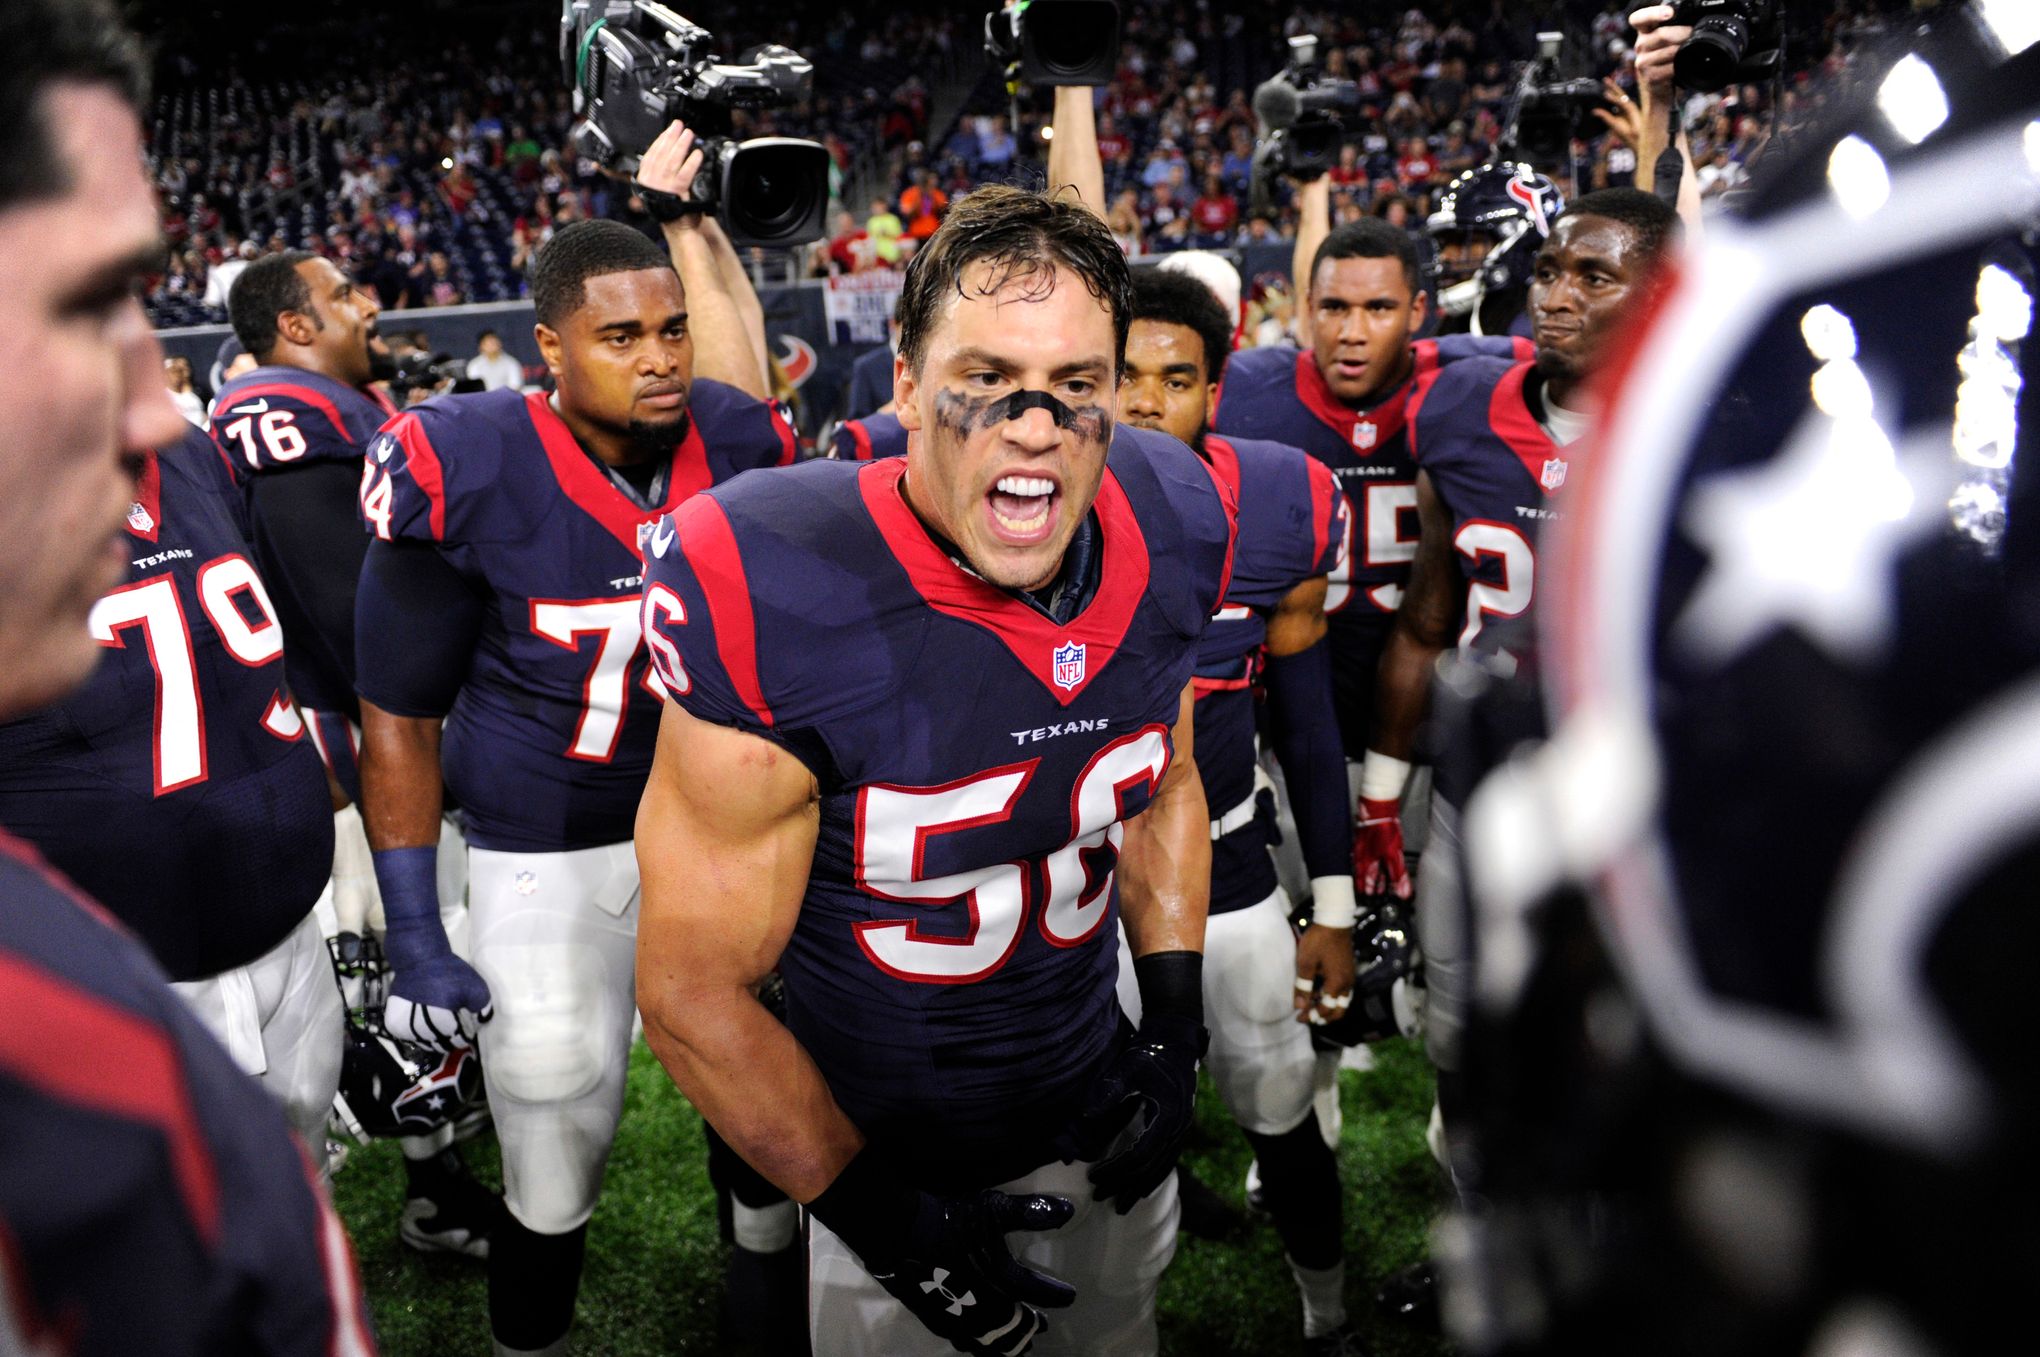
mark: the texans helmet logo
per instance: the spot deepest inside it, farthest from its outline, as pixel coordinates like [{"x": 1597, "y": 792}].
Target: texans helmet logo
[{"x": 1526, "y": 189}]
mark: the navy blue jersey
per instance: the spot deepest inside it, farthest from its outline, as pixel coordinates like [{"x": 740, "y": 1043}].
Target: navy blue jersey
[
  {"x": 1292, "y": 518},
  {"x": 1278, "y": 393},
  {"x": 548, "y": 744},
  {"x": 152, "y": 1197},
  {"x": 285, "y": 419},
  {"x": 874, "y": 436},
  {"x": 1497, "y": 473},
  {"x": 952, "y": 968},
  {"x": 177, "y": 784}
]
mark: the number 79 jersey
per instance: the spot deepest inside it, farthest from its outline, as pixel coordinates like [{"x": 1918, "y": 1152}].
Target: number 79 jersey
[
  {"x": 951, "y": 970},
  {"x": 177, "y": 784},
  {"x": 548, "y": 744}
]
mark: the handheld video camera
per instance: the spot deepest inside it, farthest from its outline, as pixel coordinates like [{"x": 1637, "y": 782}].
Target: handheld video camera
[
  {"x": 1732, "y": 40},
  {"x": 634, "y": 66},
  {"x": 1311, "y": 114},
  {"x": 1055, "y": 42},
  {"x": 1548, "y": 110}
]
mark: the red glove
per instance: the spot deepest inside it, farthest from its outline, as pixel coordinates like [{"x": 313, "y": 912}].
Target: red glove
[{"x": 1378, "y": 867}]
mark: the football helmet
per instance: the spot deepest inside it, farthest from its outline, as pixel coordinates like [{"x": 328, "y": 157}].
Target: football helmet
[
  {"x": 1510, "y": 206},
  {"x": 1751, "y": 932},
  {"x": 1387, "y": 979},
  {"x": 390, "y": 1087}
]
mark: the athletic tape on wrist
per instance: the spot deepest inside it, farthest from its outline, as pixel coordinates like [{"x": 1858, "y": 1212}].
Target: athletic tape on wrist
[
  {"x": 1332, "y": 902},
  {"x": 1383, "y": 778}
]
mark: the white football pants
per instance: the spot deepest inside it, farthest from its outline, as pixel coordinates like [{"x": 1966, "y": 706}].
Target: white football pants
[
  {"x": 280, "y": 1018},
  {"x": 555, "y": 935}
]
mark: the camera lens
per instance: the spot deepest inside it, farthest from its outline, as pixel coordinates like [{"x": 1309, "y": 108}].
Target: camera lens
[
  {"x": 775, "y": 193},
  {"x": 1706, "y": 61}
]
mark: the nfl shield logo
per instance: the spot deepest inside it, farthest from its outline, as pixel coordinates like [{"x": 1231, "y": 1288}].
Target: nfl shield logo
[
  {"x": 138, "y": 518},
  {"x": 1554, "y": 473},
  {"x": 1364, "y": 434},
  {"x": 1069, "y": 665}
]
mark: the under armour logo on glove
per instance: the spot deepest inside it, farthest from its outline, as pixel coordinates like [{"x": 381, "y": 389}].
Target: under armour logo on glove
[{"x": 956, "y": 1302}]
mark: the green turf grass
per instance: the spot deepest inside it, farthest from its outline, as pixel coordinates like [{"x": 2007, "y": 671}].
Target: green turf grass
[{"x": 654, "y": 1274}]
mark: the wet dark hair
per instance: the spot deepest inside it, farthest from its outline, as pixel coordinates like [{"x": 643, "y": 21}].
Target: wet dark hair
[
  {"x": 587, "y": 249},
  {"x": 1369, "y": 238},
  {"x": 267, "y": 288},
  {"x": 1655, "y": 223},
  {"x": 1022, "y": 233},
  {"x": 50, "y": 42},
  {"x": 1179, "y": 299}
]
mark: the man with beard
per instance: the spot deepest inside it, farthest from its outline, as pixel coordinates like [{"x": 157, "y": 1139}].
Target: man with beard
[
  {"x": 1493, "y": 442},
  {"x": 497, "y": 630},
  {"x": 294, "y": 429}
]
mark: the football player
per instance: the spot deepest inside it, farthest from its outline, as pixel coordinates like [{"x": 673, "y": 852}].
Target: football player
[
  {"x": 1343, "y": 400},
  {"x": 294, "y": 429},
  {"x": 1493, "y": 442},
  {"x": 185, "y": 738},
  {"x": 922, "y": 709},
  {"x": 1748, "y": 1069},
  {"x": 1488, "y": 226},
  {"x": 152, "y": 1197},
  {"x": 1259, "y": 977},
  {"x": 501, "y": 663}
]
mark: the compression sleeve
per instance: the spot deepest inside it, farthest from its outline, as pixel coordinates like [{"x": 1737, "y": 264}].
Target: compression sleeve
[
  {"x": 308, "y": 545},
  {"x": 416, "y": 623},
  {"x": 1305, "y": 731}
]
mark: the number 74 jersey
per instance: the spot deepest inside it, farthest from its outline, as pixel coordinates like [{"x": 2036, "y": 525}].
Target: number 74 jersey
[
  {"x": 549, "y": 742},
  {"x": 951, "y": 968}
]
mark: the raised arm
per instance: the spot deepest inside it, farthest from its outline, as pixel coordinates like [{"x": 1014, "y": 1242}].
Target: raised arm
[
  {"x": 1073, "y": 158},
  {"x": 1657, "y": 43},
  {"x": 723, "y": 350},
  {"x": 1313, "y": 224}
]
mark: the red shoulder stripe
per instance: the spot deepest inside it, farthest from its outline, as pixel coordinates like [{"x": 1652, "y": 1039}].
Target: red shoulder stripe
[
  {"x": 75, "y": 1047},
  {"x": 294, "y": 392},
  {"x": 1324, "y": 506},
  {"x": 789, "y": 445},
  {"x": 423, "y": 463},
  {"x": 861, "y": 436},
  {"x": 710, "y": 545}
]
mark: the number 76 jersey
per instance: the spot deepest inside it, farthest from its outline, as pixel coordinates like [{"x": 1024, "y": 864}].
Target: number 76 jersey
[
  {"x": 549, "y": 742},
  {"x": 951, "y": 970}
]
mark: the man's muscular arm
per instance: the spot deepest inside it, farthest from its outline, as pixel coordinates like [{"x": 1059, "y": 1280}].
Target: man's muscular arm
[
  {"x": 725, "y": 837},
  {"x": 1165, "y": 858},
  {"x": 1313, "y": 224}
]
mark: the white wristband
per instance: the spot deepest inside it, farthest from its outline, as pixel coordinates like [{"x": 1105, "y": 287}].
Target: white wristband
[
  {"x": 1383, "y": 778},
  {"x": 1332, "y": 903}
]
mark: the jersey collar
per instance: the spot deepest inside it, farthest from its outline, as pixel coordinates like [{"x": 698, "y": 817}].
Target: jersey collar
[
  {"x": 1364, "y": 431},
  {"x": 1510, "y": 416},
  {"x": 590, "y": 488},
  {"x": 1063, "y": 656}
]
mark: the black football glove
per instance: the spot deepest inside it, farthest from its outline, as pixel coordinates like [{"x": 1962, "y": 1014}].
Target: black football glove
[
  {"x": 1154, "y": 1076},
  {"x": 945, "y": 1258}
]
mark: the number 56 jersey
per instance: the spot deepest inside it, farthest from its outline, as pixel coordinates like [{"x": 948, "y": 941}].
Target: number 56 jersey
[
  {"x": 951, "y": 970},
  {"x": 550, "y": 739}
]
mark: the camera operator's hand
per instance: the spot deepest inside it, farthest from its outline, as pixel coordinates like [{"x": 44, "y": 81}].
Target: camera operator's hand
[
  {"x": 1658, "y": 41},
  {"x": 668, "y": 166},
  {"x": 1622, "y": 116}
]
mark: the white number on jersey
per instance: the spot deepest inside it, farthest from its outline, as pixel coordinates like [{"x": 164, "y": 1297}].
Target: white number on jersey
[
  {"x": 279, "y": 434},
  {"x": 376, "y": 496},
  {"x": 894, "y": 824},
  {"x": 1384, "y": 506},
  {"x": 605, "y": 693},
  {"x": 154, "y": 608},
  {"x": 1519, "y": 574}
]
